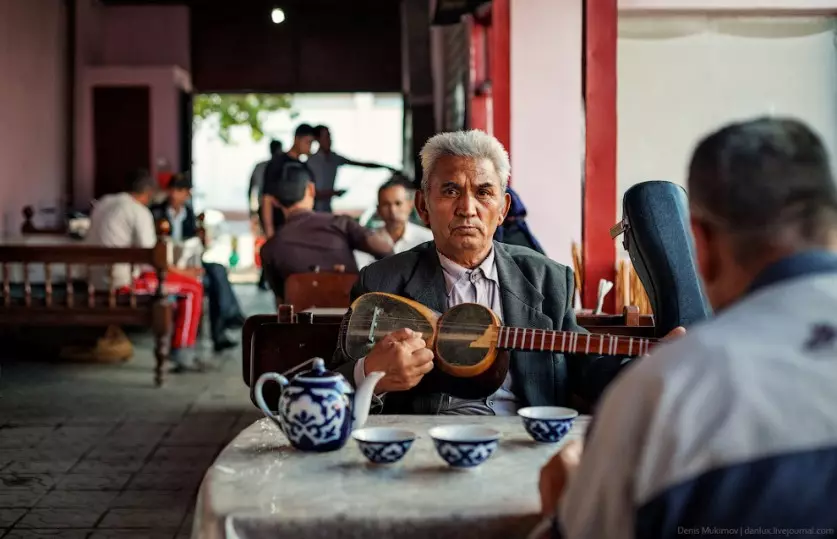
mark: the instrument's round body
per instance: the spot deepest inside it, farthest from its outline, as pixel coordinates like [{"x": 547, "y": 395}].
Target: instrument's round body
[
  {"x": 467, "y": 363},
  {"x": 466, "y": 340},
  {"x": 375, "y": 315}
]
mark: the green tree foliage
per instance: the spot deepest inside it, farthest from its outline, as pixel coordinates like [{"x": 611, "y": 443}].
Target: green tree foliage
[{"x": 238, "y": 109}]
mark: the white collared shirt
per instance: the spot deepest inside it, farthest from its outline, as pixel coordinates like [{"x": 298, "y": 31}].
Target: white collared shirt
[
  {"x": 176, "y": 220},
  {"x": 413, "y": 235},
  {"x": 480, "y": 285}
]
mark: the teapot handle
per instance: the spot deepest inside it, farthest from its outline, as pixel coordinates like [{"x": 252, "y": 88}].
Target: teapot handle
[{"x": 263, "y": 379}]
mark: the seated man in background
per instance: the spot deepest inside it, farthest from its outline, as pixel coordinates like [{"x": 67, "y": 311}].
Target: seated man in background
[
  {"x": 310, "y": 238},
  {"x": 224, "y": 310},
  {"x": 124, "y": 220},
  {"x": 395, "y": 204},
  {"x": 515, "y": 230},
  {"x": 271, "y": 215},
  {"x": 733, "y": 427}
]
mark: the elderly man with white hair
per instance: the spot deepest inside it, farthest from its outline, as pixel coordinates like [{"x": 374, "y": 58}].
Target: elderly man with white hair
[{"x": 463, "y": 200}]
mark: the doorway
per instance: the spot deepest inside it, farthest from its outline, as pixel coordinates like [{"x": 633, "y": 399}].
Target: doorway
[{"x": 121, "y": 135}]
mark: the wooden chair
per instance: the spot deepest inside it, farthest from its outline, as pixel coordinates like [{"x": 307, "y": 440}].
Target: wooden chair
[
  {"x": 319, "y": 289},
  {"x": 271, "y": 343}
]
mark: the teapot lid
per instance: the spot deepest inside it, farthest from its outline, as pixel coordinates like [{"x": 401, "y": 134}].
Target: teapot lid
[{"x": 318, "y": 372}]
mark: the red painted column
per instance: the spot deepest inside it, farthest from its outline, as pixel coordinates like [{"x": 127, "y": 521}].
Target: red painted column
[
  {"x": 500, "y": 70},
  {"x": 599, "y": 210},
  {"x": 480, "y": 98}
]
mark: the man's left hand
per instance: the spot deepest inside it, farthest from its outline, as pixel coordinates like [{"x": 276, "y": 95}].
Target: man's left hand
[{"x": 556, "y": 473}]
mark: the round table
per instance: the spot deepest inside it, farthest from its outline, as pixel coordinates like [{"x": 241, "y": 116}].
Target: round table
[{"x": 260, "y": 487}]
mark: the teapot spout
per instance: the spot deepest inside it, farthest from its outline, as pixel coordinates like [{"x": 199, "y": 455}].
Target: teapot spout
[{"x": 363, "y": 398}]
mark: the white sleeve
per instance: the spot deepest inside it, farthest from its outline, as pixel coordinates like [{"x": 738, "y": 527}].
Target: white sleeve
[
  {"x": 359, "y": 374},
  {"x": 599, "y": 501},
  {"x": 145, "y": 230}
]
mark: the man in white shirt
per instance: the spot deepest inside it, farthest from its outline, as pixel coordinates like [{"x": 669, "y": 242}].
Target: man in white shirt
[
  {"x": 732, "y": 430},
  {"x": 324, "y": 165},
  {"x": 395, "y": 204},
  {"x": 124, "y": 220}
]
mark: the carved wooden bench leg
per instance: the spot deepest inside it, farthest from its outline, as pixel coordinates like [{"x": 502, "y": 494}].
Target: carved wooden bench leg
[{"x": 162, "y": 324}]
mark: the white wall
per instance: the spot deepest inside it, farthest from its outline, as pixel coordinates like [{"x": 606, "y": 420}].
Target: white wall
[
  {"x": 547, "y": 119},
  {"x": 32, "y": 108},
  {"x": 680, "y": 78}
]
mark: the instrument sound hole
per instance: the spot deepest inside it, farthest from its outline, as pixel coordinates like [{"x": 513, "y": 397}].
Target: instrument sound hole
[{"x": 458, "y": 329}]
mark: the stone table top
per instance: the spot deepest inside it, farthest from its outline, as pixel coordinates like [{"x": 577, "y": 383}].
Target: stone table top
[{"x": 260, "y": 487}]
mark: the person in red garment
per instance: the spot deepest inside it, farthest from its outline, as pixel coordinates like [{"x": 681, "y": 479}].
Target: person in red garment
[{"x": 125, "y": 220}]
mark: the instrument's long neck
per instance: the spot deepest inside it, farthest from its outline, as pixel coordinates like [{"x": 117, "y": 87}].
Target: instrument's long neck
[{"x": 509, "y": 338}]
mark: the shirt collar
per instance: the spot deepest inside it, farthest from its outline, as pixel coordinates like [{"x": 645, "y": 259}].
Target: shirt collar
[
  {"x": 179, "y": 216},
  {"x": 798, "y": 265},
  {"x": 455, "y": 273}
]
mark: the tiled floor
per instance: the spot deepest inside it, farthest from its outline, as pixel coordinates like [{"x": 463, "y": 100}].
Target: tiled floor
[{"x": 95, "y": 451}]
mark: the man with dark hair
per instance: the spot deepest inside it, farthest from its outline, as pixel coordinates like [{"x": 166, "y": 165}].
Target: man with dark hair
[
  {"x": 254, "y": 193},
  {"x": 324, "y": 165},
  {"x": 310, "y": 238},
  {"x": 271, "y": 216},
  {"x": 395, "y": 204},
  {"x": 224, "y": 310},
  {"x": 124, "y": 220},
  {"x": 733, "y": 427}
]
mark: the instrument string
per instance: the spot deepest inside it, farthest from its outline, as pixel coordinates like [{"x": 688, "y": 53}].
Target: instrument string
[
  {"x": 462, "y": 326},
  {"x": 386, "y": 326}
]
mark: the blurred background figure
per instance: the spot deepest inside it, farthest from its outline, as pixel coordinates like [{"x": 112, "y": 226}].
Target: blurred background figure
[
  {"x": 324, "y": 165},
  {"x": 224, "y": 310},
  {"x": 514, "y": 229},
  {"x": 396, "y": 203},
  {"x": 254, "y": 193}
]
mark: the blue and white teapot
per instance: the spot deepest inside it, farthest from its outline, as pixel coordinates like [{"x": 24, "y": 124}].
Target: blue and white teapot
[{"x": 318, "y": 409}]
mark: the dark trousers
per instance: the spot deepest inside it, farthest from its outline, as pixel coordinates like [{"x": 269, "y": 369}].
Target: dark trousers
[{"x": 223, "y": 305}]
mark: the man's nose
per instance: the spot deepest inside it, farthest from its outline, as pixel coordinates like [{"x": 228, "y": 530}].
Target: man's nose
[{"x": 466, "y": 206}]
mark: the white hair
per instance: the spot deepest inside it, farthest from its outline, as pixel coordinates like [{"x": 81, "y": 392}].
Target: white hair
[{"x": 474, "y": 143}]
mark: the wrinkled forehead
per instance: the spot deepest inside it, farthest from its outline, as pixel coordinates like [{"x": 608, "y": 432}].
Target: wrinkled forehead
[{"x": 453, "y": 168}]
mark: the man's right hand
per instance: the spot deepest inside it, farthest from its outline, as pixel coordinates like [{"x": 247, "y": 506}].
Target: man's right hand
[{"x": 403, "y": 356}]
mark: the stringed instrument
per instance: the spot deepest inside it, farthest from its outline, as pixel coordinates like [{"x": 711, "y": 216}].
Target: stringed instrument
[{"x": 468, "y": 341}]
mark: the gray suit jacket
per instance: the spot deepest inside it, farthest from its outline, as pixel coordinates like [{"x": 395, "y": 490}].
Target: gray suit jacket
[{"x": 536, "y": 293}]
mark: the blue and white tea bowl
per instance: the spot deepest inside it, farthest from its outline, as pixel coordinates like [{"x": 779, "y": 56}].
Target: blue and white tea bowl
[
  {"x": 384, "y": 445},
  {"x": 464, "y": 446},
  {"x": 547, "y": 424}
]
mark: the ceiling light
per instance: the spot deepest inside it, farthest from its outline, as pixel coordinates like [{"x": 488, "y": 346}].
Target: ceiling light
[{"x": 277, "y": 16}]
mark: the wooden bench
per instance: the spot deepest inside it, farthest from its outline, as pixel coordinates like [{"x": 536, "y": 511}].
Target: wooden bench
[{"x": 74, "y": 300}]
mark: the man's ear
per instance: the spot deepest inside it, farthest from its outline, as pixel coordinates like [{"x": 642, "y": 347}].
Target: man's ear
[
  {"x": 703, "y": 238},
  {"x": 311, "y": 190},
  {"x": 506, "y": 208},
  {"x": 421, "y": 207}
]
